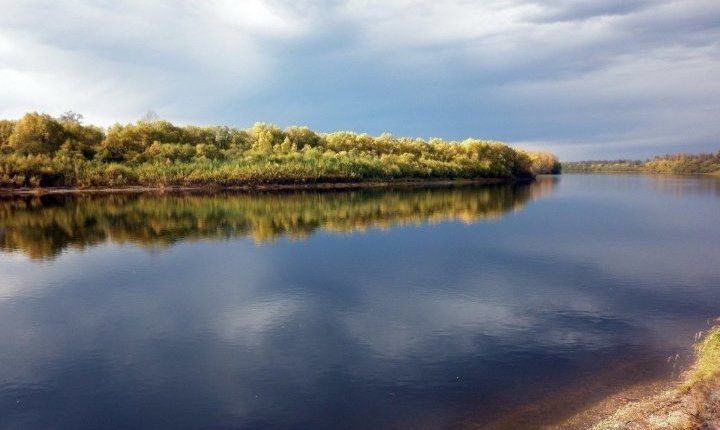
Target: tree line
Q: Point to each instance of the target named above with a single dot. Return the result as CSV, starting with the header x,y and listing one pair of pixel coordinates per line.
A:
x,y
39,150
676,164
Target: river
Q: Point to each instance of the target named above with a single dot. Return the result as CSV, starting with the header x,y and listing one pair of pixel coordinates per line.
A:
x,y
498,306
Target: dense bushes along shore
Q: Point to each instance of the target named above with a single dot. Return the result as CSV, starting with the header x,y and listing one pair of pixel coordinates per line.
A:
x,y
676,164
41,151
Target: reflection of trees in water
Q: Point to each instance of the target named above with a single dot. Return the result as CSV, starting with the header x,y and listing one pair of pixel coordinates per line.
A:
x,y
686,185
42,227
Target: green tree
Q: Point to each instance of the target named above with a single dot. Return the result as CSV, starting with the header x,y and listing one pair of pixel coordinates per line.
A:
x,y
80,139
6,129
265,137
302,136
37,133
207,151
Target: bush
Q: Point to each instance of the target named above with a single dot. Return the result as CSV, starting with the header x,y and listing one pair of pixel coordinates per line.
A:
x,y
39,150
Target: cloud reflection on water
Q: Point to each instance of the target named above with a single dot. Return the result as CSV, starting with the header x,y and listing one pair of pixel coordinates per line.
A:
x,y
412,323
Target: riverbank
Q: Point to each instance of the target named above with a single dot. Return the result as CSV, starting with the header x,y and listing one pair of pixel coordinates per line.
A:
x,y
647,401
674,164
693,404
639,172
211,188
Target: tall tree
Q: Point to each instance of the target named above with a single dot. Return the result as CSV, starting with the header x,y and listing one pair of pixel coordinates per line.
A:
x,y
37,133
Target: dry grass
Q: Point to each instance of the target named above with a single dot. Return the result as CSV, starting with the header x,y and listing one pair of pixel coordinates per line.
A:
x,y
707,364
702,385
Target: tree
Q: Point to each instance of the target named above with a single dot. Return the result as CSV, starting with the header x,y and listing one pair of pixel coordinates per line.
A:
x,y
6,129
302,136
37,133
123,143
543,162
286,146
207,151
79,139
265,137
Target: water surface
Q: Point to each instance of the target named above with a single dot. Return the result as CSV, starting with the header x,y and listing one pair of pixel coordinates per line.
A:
x,y
420,308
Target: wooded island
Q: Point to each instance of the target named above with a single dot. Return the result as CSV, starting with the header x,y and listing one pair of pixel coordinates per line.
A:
x,y
39,150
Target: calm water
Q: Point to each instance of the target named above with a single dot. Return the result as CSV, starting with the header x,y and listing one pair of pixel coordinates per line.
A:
x,y
484,307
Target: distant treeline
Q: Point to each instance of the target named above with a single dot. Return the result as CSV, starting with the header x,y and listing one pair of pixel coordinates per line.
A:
x,y
39,150
43,226
676,164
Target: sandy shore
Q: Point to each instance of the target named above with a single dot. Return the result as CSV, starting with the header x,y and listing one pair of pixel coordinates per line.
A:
x,y
649,405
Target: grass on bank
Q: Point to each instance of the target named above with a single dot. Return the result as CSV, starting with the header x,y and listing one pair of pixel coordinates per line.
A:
x,y
702,383
707,364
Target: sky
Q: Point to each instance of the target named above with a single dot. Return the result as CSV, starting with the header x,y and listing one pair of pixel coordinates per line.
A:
x,y
590,79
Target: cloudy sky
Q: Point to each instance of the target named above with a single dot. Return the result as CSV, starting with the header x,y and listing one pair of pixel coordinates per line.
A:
x,y
585,79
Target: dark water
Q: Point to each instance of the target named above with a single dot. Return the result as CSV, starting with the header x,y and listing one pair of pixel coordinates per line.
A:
x,y
484,307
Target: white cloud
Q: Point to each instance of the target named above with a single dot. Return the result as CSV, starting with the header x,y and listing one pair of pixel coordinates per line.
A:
x,y
643,73
257,16
538,69
116,61
426,23
47,78
651,103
